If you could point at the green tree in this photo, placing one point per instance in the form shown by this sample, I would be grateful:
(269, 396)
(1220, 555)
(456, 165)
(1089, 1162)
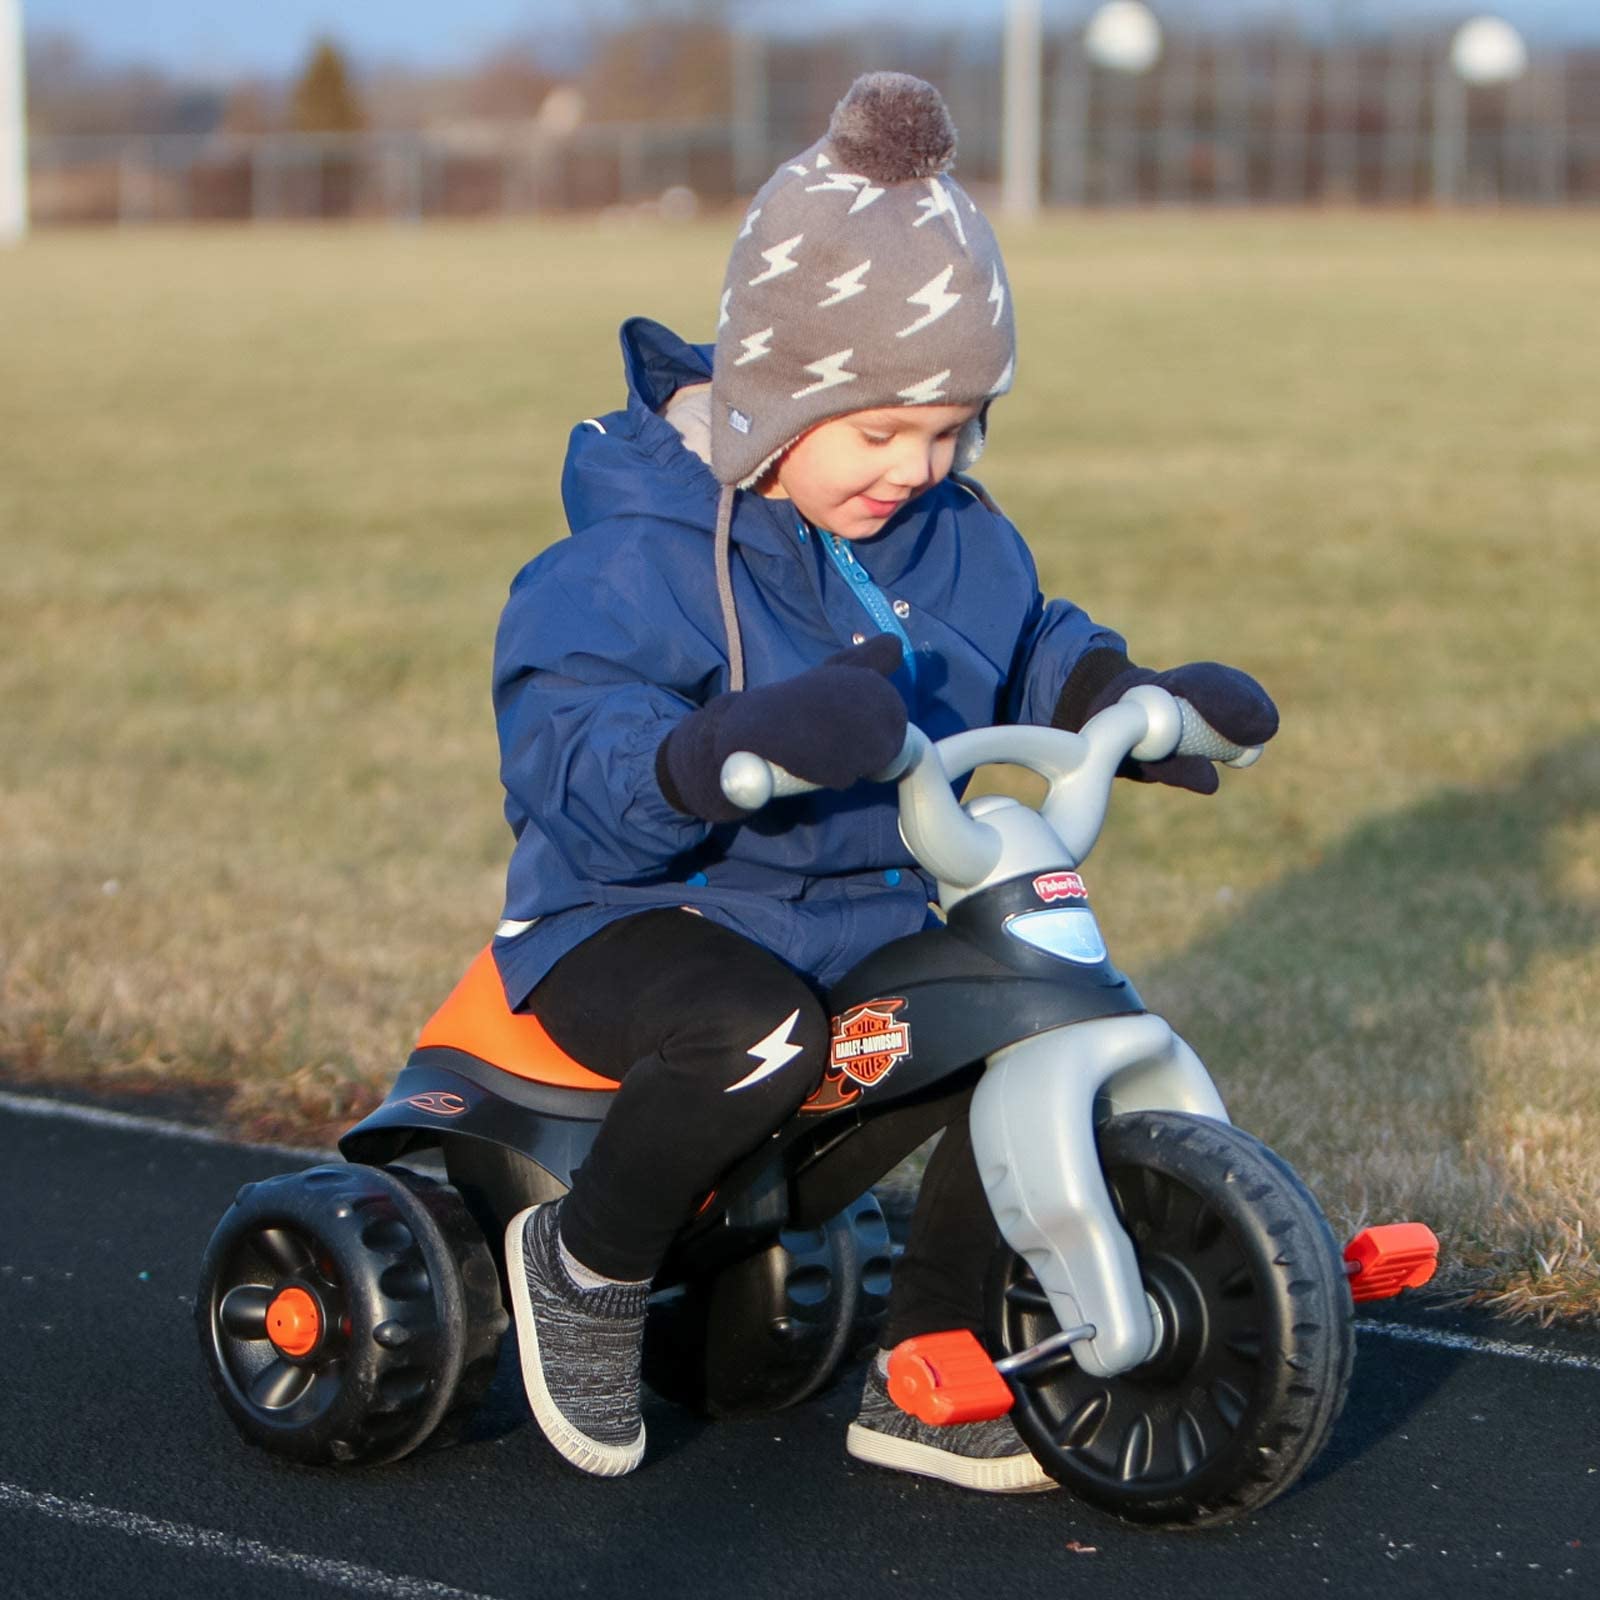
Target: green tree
(324, 100)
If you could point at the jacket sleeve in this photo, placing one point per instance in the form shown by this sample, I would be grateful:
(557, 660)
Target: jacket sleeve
(1062, 659)
(585, 688)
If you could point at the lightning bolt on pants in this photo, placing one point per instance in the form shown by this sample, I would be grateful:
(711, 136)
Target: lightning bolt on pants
(714, 1043)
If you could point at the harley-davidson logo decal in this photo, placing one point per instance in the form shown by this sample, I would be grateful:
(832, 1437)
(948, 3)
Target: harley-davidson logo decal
(438, 1103)
(868, 1042)
(1051, 886)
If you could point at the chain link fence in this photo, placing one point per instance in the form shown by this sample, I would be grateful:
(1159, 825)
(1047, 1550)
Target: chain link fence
(1221, 119)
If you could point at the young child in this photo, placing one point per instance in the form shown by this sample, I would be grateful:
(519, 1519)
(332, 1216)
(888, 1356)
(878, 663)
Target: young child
(772, 550)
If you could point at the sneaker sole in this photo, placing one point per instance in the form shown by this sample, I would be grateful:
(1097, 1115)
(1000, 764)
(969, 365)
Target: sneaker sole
(588, 1455)
(995, 1475)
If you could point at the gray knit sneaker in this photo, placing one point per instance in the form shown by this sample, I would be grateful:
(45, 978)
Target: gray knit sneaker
(580, 1350)
(976, 1455)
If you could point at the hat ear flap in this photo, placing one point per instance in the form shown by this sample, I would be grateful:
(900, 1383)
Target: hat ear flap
(970, 441)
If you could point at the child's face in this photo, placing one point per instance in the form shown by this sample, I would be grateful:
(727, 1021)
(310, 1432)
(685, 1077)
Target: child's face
(852, 473)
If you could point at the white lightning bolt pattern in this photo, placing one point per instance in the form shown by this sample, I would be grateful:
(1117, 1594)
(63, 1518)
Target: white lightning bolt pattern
(755, 347)
(1003, 382)
(797, 169)
(776, 1050)
(749, 223)
(822, 160)
(846, 285)
(830, 373)
(848, 183)
(722, 310)
(777, 260)
(836, 182)
(997, 297)
(939, 204)
(935, 295)
(924, 393)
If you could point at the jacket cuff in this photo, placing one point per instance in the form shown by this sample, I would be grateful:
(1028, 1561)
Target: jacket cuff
(1092, 673)
(669, 790)
(689, 769)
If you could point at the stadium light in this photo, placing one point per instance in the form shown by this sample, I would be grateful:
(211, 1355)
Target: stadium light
(1488, 50)
(13, 127)
(1124, 36)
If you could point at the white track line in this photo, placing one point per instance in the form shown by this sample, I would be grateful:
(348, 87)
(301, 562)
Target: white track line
(1480, 1345)
(207, 1541)
(68, 1110)
(28, 1105)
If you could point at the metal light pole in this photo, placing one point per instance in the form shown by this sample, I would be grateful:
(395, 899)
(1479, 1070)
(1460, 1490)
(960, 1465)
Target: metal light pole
(1069, 127)
(13, 127)
(1484, 52)
(750, 109)
(1019, 155)
(1124, 38)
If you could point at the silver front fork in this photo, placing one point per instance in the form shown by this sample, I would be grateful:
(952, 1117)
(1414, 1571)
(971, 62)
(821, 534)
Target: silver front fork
(1033, 1136)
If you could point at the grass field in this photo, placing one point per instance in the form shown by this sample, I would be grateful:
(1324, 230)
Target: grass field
(261, 494)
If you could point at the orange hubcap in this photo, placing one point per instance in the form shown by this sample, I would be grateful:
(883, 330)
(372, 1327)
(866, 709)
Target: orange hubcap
(293, 1322)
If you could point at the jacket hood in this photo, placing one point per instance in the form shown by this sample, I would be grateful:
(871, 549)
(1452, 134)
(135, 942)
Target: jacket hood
(635, 462)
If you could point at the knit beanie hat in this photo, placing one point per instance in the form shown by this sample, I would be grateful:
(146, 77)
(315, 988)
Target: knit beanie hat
(864, 276)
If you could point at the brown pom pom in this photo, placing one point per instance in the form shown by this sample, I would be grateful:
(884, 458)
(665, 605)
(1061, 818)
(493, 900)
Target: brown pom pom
(891, 127)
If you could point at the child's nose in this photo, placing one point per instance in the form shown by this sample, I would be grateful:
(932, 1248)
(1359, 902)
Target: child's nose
(912, 466)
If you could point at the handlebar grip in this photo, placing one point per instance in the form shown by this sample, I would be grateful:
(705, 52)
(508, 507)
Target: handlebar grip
(751, 781)
(1199, 738)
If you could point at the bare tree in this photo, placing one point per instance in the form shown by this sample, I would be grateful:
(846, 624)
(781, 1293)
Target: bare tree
(254, 106)
(70, 92)
(667, 61)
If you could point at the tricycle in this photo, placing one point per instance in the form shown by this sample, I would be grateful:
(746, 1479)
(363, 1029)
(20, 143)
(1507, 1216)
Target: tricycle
(1169, 1319)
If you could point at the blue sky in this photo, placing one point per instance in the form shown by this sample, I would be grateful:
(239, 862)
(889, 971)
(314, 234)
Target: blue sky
(221, 40)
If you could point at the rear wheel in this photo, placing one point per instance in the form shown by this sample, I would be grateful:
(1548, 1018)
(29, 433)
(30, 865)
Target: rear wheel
(771, 1330)
(1256, 1336)
(348, 1313)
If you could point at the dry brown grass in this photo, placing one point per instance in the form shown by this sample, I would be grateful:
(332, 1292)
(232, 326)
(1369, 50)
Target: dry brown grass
(261, 493)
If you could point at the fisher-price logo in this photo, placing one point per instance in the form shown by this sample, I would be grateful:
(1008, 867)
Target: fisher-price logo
(1060, 886)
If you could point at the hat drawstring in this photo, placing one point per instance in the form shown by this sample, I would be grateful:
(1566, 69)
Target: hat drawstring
(730, 615)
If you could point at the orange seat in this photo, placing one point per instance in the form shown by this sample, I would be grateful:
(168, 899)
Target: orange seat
(477, 1019)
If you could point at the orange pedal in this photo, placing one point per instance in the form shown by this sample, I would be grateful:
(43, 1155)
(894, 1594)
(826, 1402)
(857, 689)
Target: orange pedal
(1382, 1261)
(945, 1378)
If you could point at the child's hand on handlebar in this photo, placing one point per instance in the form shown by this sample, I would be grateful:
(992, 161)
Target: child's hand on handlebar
(831, 725)
(1230, 700)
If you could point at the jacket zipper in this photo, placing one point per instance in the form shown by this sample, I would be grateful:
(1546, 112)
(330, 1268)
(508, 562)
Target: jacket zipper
(871, 597)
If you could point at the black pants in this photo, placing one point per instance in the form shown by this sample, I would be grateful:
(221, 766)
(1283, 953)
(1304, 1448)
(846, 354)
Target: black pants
(715, 1042)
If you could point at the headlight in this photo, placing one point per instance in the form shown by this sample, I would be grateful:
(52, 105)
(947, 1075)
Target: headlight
(1070, 933)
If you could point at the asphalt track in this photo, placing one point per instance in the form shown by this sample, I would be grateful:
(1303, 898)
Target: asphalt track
(1457, 1470)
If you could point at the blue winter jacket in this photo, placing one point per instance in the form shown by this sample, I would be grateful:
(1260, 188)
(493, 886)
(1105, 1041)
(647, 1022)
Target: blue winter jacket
(614, 634)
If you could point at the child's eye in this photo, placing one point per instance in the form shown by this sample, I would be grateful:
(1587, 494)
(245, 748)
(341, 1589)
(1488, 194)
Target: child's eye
(876, 438)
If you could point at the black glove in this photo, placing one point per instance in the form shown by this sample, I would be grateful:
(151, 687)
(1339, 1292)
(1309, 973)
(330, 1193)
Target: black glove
(1230, 700)
(831, 725)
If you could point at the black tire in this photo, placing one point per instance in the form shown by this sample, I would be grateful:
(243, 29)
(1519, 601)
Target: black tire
(771, 1330)
(1257, 1346)
(404, 1324)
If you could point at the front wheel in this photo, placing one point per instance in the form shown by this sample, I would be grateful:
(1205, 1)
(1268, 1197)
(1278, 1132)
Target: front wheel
(1256, 1336)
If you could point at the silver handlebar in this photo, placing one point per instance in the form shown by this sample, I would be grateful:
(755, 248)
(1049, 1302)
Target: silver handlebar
(960, 849)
